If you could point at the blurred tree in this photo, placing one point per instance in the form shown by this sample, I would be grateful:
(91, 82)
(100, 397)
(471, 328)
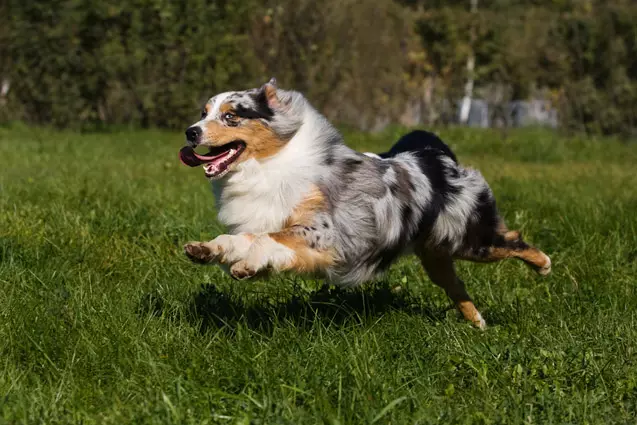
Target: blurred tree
(348, 56)
(5, 64)
(150, 62)
(471, 64)
(84, 63)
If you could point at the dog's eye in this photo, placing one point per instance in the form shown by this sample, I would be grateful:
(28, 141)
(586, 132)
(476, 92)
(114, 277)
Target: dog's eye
(229, 116)
(204, 113)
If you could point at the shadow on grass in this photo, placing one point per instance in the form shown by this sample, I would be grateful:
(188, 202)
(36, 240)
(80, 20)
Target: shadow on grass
(213, 308)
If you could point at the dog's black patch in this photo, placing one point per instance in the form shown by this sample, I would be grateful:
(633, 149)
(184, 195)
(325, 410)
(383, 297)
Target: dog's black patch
(430, 151)
(350, 165)
(407, 214)
(483, 230)
(246, 112)
(486, 220)
(417, 141)
(387, 257)
(383, 166)
(431, 165)
(328, 159)
(261, 108)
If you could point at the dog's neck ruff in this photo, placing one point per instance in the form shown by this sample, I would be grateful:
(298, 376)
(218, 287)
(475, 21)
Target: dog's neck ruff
(260, 195)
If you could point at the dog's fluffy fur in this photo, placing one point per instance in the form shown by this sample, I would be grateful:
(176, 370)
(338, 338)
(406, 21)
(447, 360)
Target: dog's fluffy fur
(297, 198)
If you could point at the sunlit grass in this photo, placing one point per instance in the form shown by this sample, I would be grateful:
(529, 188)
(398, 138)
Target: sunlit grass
(102, 320)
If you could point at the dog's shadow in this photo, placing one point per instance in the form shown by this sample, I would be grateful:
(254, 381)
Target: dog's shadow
(212, 308)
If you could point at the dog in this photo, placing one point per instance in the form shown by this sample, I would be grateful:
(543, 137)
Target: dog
(295, 198)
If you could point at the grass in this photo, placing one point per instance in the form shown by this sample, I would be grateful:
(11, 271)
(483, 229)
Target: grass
(102, 319)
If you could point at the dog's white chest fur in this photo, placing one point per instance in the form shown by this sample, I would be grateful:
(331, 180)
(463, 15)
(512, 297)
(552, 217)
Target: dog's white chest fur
(259, 198)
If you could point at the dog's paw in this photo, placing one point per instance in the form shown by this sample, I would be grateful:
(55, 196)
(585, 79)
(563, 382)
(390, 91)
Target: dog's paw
(545, 270)
(202, 252)
(242, 270)
(544, 267)
(479, 322)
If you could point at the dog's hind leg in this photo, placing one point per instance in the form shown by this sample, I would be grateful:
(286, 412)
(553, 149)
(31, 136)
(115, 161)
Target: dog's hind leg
(509, 244)
(440, 268)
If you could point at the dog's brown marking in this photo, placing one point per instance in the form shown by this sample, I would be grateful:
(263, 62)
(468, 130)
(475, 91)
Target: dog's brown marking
(441, 271)
(511, 236)
(261, 141)
(532, 256)
(495, 253)
(226, 107)
(270, 95)
(305, 211)
(306, 258)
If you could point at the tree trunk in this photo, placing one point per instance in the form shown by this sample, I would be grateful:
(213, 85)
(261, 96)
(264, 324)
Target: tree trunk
(471, 64)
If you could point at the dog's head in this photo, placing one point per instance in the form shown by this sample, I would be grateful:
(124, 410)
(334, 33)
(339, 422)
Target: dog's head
(239, 126)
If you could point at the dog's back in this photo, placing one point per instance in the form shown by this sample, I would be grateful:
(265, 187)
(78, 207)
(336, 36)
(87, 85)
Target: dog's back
(419, 141)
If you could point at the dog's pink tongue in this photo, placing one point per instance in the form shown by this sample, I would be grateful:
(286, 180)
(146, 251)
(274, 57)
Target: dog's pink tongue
(187, 156)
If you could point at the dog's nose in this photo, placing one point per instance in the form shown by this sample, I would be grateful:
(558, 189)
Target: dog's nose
(193, 133)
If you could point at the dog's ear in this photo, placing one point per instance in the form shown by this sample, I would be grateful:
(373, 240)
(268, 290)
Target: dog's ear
(269, 93)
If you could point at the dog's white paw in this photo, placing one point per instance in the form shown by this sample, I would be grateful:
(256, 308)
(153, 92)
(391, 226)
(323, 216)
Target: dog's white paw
(546, 268)
(219, 250)
(479, 322)
(242, 270)
(203, 252)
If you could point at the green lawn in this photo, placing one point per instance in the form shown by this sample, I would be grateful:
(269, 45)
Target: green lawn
(103, 320)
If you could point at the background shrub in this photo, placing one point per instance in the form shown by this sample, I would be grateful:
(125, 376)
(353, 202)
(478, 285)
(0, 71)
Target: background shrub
(150, 63)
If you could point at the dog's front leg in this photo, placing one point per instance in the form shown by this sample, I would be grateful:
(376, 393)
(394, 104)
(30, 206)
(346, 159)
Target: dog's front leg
(224, 249)
(298, 248)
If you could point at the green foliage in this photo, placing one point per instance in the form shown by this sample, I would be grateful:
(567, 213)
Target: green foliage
(602, 92)
(150, 63)
(103, 321)
(336, 52)
(583, 52)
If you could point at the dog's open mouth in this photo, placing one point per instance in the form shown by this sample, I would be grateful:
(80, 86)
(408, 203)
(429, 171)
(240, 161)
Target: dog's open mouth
(216, 161)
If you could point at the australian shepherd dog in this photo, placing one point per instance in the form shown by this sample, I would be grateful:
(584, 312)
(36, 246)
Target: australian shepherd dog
(295, 198)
